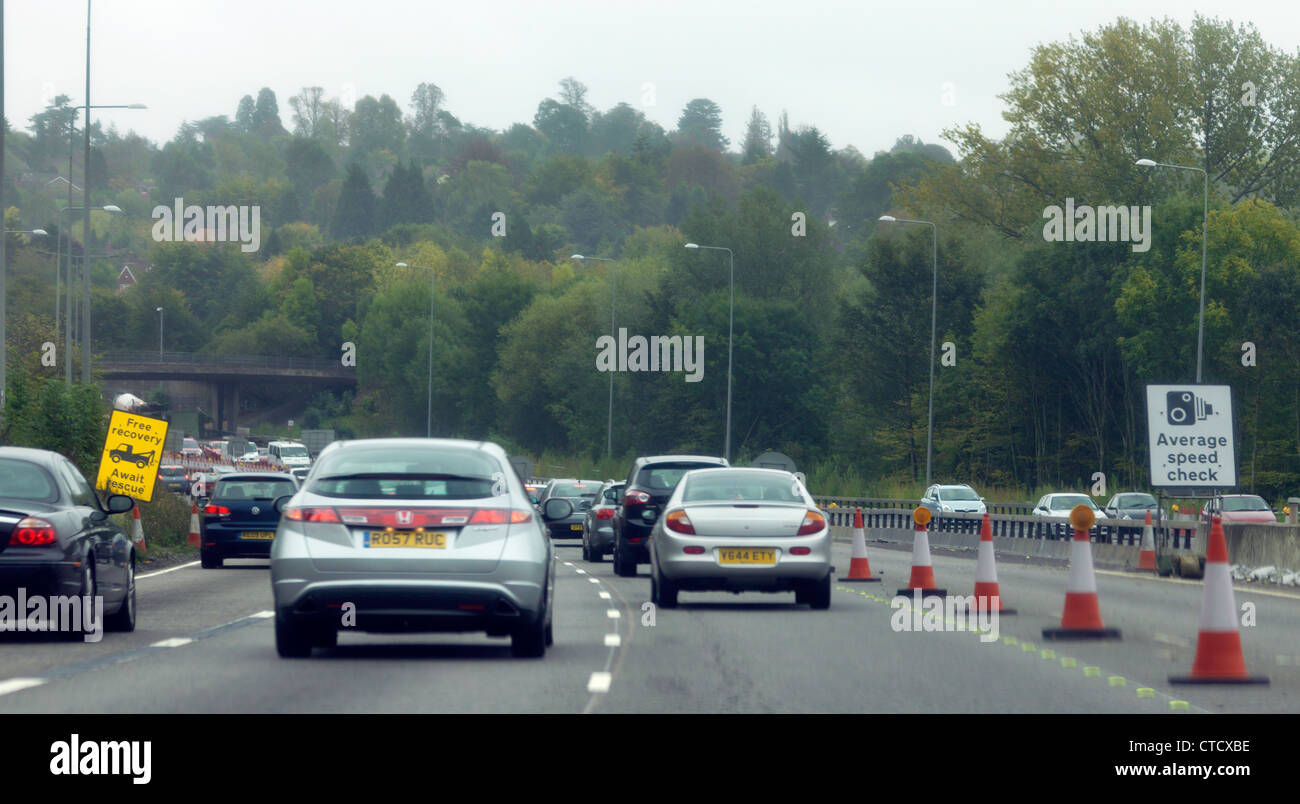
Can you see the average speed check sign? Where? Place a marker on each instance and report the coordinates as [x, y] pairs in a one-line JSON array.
[[1191, 436], [132, 454]]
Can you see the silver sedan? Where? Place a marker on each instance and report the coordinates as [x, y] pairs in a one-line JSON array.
[[412, 534], [739, 530]]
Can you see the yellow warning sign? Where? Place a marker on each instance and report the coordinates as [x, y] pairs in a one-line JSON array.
[[132, 454]]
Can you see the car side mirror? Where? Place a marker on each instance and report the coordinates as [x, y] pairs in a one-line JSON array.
[[203, 503], [533, 498], [556, 508], [119, 503], [281, 502]]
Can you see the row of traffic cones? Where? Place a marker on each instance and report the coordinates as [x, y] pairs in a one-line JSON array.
[[1219, 657]]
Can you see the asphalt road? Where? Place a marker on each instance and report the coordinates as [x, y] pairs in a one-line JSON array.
[[205, 643]]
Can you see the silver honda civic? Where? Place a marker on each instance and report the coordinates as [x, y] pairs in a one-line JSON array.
[[402, 535], [738, 529]]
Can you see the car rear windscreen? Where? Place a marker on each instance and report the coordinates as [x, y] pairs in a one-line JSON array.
[[740, 486], [418, 473], [575, 490], [25, 480], [1244, 504], [660, 477]]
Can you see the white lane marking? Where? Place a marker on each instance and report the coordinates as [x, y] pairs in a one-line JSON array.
[[594, 580], [164, 572], [174, 642], [612, 614], [1177, 642], [580, 571], [613, 640], [599, 682], [262, 615], [604, 595], [16, 684]]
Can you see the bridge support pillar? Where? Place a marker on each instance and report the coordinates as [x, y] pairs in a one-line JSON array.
[[227, 411]]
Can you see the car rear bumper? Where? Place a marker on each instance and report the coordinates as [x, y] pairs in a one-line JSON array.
[[39, 577], [565, 528], [602, 538], [226, 540], [705, 570], [396, 606]]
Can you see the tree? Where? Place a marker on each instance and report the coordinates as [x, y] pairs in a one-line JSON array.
[[308, 109], [406, 200], [355, 214], [758, 138], [701, 124], [245, 115], [376, 125], [424, 123], [563, 126], [266, 114]]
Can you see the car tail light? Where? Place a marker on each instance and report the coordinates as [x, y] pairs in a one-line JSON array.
[[678, 521], [605, 513], [33, 532], [216, 510], [800, 551], [812, 522], [500, 516], [693, 549], [636, 497], [312, 515]]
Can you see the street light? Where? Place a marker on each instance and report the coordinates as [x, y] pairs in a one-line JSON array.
[[1205, 222], [85, 269], [160, 333], [726, 453], [934, 315], [41, 232], [428, 422], [609, 433]]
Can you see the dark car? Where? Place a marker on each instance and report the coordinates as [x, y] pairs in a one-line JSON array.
[[598, 521], [580, 494], [56, 539], [649, 485], [1131, 505], [240, 519], [174, 477]]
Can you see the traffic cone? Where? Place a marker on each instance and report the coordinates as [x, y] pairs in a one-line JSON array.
[[1147, 552], [137, 531], [922, 579], [859, 567], [987, 596], [1081, 618], [1219, 659], [194, 526]]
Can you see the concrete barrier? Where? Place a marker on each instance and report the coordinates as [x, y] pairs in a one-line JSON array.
[[1110, 556], [1262, 545]]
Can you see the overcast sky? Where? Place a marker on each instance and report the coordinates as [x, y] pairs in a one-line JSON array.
[[865, 72]]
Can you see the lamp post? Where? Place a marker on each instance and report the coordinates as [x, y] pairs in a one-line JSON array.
[[428, 422], [160, 333], [1205, 222], [934, 317], [726, 452], [85, 269], [609, 432]]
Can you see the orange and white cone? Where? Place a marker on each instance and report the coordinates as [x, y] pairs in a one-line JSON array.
[[1219, 659], [137, 530], [987, 597], [194, 526], [859, 567], [1147, 552], [1081, 618], [922, 579]]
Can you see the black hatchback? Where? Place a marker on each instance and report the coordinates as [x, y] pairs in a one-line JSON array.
[[240, 519], [649, 486]]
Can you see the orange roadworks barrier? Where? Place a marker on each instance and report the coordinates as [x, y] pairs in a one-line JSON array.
[[194, 526], [1147, 552], [1081, 618], [859, 567], [922, 579], [1218, 646], [137, 531], [987, 596]]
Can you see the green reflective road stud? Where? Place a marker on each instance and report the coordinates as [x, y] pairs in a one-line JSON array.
[[1146, 692], [1067, 661], [1027, 647], [1048, 653], [1178, 705], [1010, 640], [1116, 681], [1092, 671]]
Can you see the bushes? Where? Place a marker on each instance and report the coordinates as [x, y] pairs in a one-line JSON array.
[[165, 520]]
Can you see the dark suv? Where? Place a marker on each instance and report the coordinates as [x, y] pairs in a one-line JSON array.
[[649, 485]]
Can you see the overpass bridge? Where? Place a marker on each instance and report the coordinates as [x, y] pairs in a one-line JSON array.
[[223, 374]]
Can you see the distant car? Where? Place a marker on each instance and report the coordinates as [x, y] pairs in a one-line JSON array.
[[1239, 508], [240, 519], [741, 529], [1059, 506], [190, 448], [649, 485], [56, 537], [416, 534], [535, 491], [581, 493], [202, 483], [960, 499], [598, 521], [174, 477], [252, 456], [300, 474], [1131, 505]]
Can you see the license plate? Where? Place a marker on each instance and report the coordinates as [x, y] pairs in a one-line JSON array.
[[257, 535], [420, 539], [736, 555], [575, 527]]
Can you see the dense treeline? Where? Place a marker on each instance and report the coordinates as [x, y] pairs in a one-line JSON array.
[[1051, 342]]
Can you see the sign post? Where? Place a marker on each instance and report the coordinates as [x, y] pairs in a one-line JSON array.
[[132, 453]]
